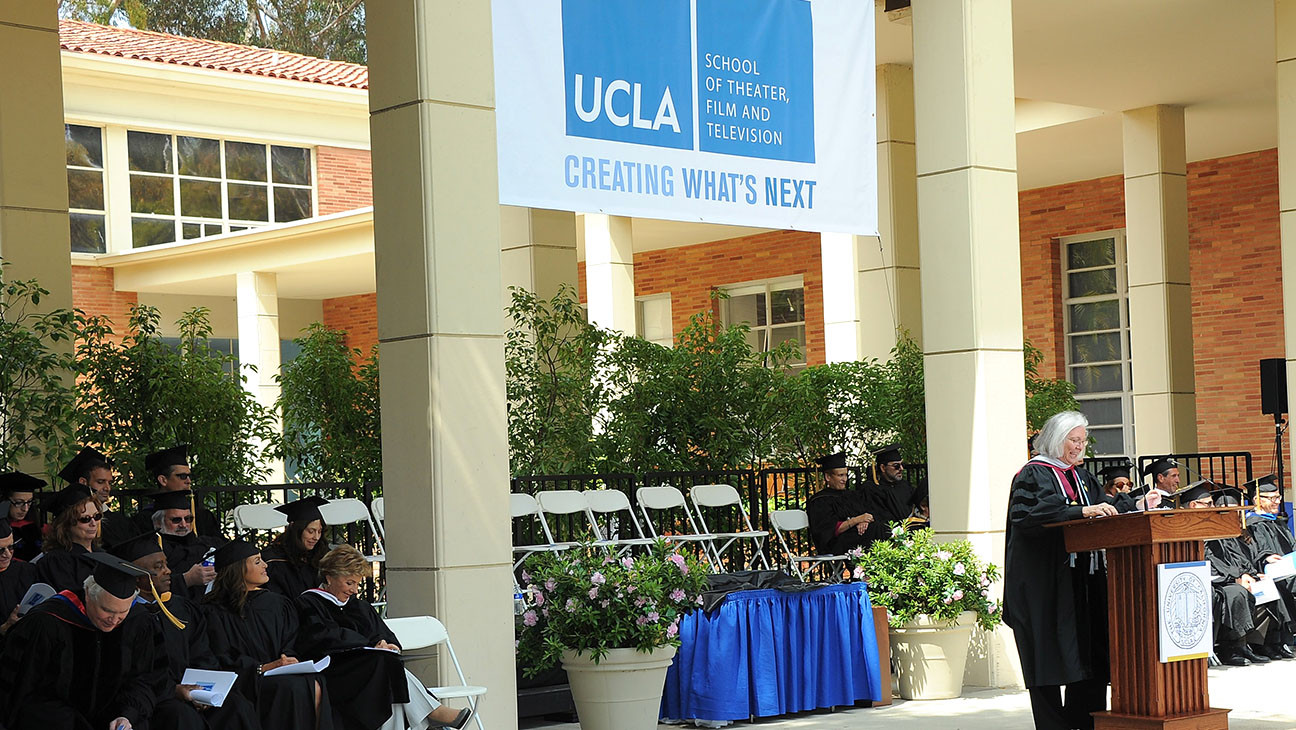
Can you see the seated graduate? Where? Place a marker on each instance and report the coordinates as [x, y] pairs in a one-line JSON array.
[[15, 578], [19, 493], [182, 633], [94, 470], [74, 531], [1116, 478], [839, 517], [293, 558], [367, 687], [1267, 523], [80, 661], [171, 473], [920, 517], [887, 492], [173, 519], [252, 631]]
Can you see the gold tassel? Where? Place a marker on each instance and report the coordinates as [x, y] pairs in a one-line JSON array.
[[193, 510], [161, 602]]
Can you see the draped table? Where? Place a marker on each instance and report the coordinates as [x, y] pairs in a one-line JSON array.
[[769, 652]]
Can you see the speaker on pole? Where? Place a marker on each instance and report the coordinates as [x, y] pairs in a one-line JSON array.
[[1273, 386]]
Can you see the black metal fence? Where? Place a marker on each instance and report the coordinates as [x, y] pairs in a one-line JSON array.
[[1221, 467]]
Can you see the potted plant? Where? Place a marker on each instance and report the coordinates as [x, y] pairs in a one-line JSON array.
[[934, 594], [614, 624]]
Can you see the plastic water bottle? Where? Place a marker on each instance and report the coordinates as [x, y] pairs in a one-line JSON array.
[[519, 604]]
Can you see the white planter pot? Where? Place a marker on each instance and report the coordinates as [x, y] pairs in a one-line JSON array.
[[622, 692], [930, 656]]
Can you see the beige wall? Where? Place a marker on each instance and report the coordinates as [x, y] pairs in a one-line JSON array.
[[294, 314]]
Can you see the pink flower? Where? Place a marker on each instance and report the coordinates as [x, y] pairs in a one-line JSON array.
[[959, 569], [858, 573], [679, 562], [604, 603], [597, 579], [672, 631], [631, 588], [948, 600], [944, 554], [529, 619], [958, 595], [609, 560], [571, 604], [677, 595], [545, 612], [627, 562], [526, 577], [698, 600], [653, 617], [551, 584], [985, 581], [593, 593], [539, 598]]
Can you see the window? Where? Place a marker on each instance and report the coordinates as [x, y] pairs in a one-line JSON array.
[[775, 311], [188, 187], [85, 175], [653, 319], [1096, 317]]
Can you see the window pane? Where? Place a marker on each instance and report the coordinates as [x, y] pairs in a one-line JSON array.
[[291, 165], [190, 230], [1108, 441], [292, 204], [149, 152], [88, 232], [744, 309], [84, 145], [1097, 378], [211, 229], [779, 335], [1103, 411], [85, 189], [200, 198], [787, 305], [151, 195], [199, 157], [249, 202], [245, 161], [1087, 254], [1095, 316], [151, 231], [1095, 348], [1093, 283], [756, 338]]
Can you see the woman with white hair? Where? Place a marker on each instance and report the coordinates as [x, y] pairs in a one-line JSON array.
[[1055, 601]]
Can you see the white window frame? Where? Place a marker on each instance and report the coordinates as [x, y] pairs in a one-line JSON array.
[[103, 183], [768, 287], [1122, 297]]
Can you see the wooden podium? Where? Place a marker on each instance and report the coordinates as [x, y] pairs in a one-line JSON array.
[[1146, 693]]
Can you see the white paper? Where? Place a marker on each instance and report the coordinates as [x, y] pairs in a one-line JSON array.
[[1184, 611], [374, 648], [1264, 590], [213, 686], [37, 594], [1285, 566], [301, 667]]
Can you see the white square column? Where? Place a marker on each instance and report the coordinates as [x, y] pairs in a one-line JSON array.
[[441, 334], [609, 272], [537, 250], [1160, 298], [1285, 37], [971, 277], [257, 305]]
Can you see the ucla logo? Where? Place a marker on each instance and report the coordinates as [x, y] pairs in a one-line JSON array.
[[601, 102]]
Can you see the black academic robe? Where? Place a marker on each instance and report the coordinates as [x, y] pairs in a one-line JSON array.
[[363, 684], [288, 577], [825, 509], [27, 539], [1233, 607], [64, 570], [184, 552], [1056, 607], [266, 629], [888, 502], [1270, 537], [58, 671], [14, 582], [116, 528]]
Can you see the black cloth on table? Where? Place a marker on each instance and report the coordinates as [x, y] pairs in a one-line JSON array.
[[364, 684], [58, 671], [27, 539], [288, 577], [267, 629], [888, 502], [825, 509], [64, 569], [720, 585], [14, 582]]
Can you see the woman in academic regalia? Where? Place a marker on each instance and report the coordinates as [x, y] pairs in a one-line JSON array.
[[18, 491], [370, 689], [1056, 602], [252, 631], [293, 558], [73, 533]]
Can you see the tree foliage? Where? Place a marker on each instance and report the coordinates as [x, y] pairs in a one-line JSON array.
[[1044, 396], [329, 402]]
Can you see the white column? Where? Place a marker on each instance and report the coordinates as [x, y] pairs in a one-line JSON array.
[[1160, 298], [441, 334], [609, 272], [537, 250], [971, 274], [843, 297], [1285, 37], [258, 333]]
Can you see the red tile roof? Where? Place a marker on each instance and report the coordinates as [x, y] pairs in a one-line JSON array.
[[82, 37]]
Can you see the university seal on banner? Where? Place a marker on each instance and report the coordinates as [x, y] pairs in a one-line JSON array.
[[1186, 610]]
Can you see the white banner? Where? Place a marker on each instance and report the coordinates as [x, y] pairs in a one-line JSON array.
[[746, 112], [1184, 611]]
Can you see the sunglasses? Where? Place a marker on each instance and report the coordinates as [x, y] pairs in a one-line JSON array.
[[21, 502], [87, 519], [186, 475], [181, 520], [6, 549]]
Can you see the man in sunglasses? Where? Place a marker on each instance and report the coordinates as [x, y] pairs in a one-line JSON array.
[[171, 473], [174, 520], [15, 578]]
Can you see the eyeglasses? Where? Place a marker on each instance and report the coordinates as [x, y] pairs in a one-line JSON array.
[[87, 519], [6, 549], [21, 502], [185, 476], [181, 520]]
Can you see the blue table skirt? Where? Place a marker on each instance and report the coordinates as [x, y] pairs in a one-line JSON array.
[[766, 652]]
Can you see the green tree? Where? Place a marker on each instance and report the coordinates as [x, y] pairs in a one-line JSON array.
[[137, 394], [37, 413], [1044, 396], [329, 402]]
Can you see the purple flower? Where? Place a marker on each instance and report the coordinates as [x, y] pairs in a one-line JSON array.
[[677, 595], [539, 598], [959, 569], [597, 579], [593, 593], [653, 617], [627, 562], [526, 577], [545, 612], [529, 618], [551, 584], [948, 600], [631, 588], [571, 604]]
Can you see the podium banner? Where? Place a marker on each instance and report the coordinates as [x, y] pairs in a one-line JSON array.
[[1184, 611], [745, 112]]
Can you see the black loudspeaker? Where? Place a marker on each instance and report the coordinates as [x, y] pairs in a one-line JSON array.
[[1273, 386]]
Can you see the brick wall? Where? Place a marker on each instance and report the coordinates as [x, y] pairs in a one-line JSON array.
[[345, 179], [358, 315], [93, 293]]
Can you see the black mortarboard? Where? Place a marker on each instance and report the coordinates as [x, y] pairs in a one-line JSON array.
[[138, 547], [305, 509], [1119, 469], [115, 575], [1191, 493], [832, 461], [233, 552], [174, 456], [1159, 467], [5, 529], [1226, 496], [177, 499], [887, 454], [55, 502], [16, 481], [1267, 484], [72, 472]]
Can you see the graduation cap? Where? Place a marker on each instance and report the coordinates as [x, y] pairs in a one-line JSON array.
[[115, 575], [137, 547], [1119, 469], [176, 499], [887, 454], [1159, 467], [5, 529], [1267, 484], [87, 457], [67, 497], [832, 461], [1191, 493], [1226, 496], [233, 553], [306, 509], [16, 481], [174, 456]]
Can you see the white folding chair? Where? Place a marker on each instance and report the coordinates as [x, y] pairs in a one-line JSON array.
[[525, 505], [724, 496], [787, 521], [379, 510], [263, 516], [420, 632], [350, 510], [562, 502], [659, 499], [611, 503]]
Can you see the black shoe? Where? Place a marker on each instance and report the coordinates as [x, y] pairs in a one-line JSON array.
[[1233, 657], [1279, 651], [1246, 651], [461, 720]]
